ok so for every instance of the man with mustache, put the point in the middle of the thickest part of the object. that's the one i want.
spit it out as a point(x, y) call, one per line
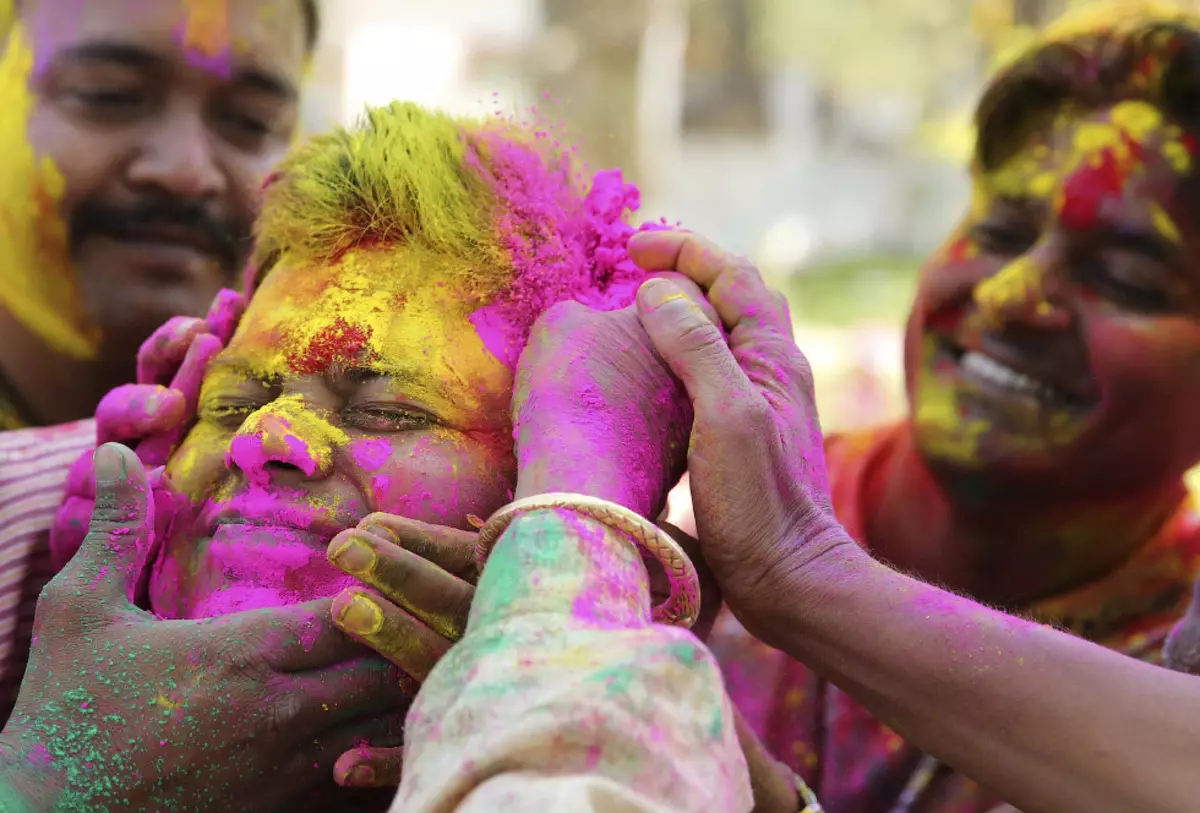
point(138, 136)
point(135, 138)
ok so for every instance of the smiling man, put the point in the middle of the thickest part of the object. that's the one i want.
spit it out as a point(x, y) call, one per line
point(1053, 370)
point(135, 137)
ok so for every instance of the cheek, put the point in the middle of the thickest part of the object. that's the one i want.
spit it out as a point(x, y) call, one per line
point(947, 282)
point(1153, 355)
point(86, 158)
point(246, 174)
point(198, 465)
point(436, 478)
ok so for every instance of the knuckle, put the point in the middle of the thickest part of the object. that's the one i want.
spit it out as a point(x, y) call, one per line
point(743, 269)
point(700, 335)
point(752, 417)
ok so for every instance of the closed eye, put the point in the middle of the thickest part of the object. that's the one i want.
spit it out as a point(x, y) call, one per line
point(387, 418)
point(228, 412)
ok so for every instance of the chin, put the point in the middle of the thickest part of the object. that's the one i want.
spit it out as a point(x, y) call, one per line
point(996, 463)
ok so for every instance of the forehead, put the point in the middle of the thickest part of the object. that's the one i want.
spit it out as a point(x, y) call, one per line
point(395, 312)
point(1133, 140)
point(269, 34)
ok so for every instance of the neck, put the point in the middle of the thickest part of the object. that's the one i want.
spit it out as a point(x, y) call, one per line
point(1008, 550)
point(53, 388)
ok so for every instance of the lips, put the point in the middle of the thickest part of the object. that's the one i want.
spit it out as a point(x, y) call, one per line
point(257, 511)
point(994, 366)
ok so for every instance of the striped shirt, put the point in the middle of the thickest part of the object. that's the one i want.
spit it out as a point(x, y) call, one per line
point(34, 464)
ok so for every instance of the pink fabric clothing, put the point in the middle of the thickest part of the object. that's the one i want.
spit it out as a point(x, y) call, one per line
point(34, 464)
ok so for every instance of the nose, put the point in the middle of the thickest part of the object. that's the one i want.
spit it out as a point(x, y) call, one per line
point(178, 156)
point(285, 439)
point(1023, 292)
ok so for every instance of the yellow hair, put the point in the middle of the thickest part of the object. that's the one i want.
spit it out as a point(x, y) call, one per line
point(498, 207)
point(404, 176)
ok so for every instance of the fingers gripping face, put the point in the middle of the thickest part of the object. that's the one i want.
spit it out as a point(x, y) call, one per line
point(421, 578)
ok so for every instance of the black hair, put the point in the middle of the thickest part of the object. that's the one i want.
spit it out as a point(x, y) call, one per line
point(1157, 62)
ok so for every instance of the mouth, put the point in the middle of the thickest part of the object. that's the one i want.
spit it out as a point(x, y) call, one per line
point(998, 371)
point(257, 513)
point(174, 252)
point(172, 235)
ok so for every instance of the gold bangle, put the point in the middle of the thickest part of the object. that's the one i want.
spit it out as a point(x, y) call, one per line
point(683, 604)
point(808, 799)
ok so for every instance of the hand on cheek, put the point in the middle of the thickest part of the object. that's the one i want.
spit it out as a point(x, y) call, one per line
point(413, 606)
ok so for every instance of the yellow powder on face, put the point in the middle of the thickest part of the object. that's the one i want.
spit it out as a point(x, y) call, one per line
point(37, 280)
point(1164, 225)
point(938, 418)
point(947, 434)
point(206, 27)
point(397, 311)
point(290, 418)
point(1018, 283)
point(1131, 132)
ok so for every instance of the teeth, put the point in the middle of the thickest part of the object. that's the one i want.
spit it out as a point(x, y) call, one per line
point(996, 373)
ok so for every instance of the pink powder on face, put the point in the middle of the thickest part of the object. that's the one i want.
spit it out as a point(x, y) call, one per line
point(249, 454)
point(371, 453)
point(268, 567)
point(563, 247)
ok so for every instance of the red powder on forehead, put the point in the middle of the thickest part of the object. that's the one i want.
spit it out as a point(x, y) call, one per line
point(341, 340)
point(1084, 193)
point(563, 245)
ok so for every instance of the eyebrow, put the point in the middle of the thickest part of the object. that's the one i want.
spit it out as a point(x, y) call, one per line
point(136, 56)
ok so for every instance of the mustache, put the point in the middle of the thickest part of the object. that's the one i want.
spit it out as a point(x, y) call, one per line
point(228, 238)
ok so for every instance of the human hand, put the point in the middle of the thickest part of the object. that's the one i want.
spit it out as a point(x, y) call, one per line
point(756, 462)
point(153, 415)
point(120, 710)
point(596, 411)
point(419, 581)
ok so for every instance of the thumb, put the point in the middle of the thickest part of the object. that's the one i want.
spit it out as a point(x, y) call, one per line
point(121, 530)
point(691, 345)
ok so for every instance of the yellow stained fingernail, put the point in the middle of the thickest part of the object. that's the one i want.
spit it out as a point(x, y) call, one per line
point(657, 292)
point(354, 556)
point(361, 616)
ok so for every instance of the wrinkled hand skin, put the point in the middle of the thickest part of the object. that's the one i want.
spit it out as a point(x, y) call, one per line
point(122, 711)
point(597, 412)
point(418, 582)
point(154, 414)
point(756, 461)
